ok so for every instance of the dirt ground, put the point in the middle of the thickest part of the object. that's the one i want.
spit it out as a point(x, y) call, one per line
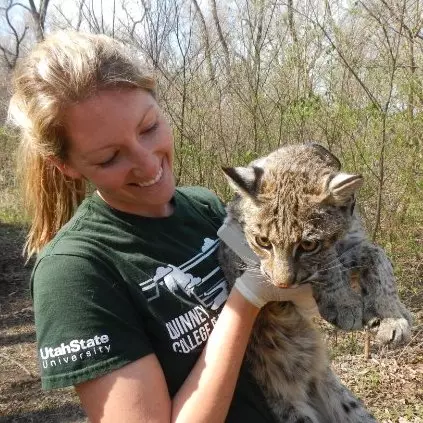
point(21, 397)
point(390, 382)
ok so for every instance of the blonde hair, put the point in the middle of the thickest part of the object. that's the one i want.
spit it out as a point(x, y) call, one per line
point(66, 68)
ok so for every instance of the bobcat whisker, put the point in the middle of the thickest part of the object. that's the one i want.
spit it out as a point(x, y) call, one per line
point(354, 246)
point(338, 257)
point(345, 266)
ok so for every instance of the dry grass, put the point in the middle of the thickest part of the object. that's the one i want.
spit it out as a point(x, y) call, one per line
point(10, 204)
point(21, 397)
point(390, 383)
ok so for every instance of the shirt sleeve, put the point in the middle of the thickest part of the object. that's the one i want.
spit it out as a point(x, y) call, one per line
point(207, 203)
point(217, 206)
point(85, 320)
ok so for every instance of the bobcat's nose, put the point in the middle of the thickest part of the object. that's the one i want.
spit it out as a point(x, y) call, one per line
point(275, 280)
point(284, 279)
point(286, 283)
point(283, 272)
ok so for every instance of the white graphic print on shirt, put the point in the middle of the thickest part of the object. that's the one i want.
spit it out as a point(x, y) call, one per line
point(212, 295)
point(191, 329)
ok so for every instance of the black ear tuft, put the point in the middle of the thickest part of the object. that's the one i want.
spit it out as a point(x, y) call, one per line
point(327, 155)
point(245, 180)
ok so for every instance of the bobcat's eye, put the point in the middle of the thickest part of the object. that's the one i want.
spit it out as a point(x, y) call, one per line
point(263, 242)
point(308, 246)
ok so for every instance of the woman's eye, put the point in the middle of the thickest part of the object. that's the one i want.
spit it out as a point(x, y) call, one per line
point(263, 242)
point(109, 162)
point(309, 246)
point(151, 128)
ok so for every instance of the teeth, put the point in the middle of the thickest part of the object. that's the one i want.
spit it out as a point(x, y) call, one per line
point(153, 181)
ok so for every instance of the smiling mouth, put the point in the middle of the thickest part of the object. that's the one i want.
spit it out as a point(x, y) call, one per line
point(152, 181)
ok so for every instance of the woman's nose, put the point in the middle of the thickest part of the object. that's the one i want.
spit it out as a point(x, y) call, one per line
point(140, 154)
point(144, 162)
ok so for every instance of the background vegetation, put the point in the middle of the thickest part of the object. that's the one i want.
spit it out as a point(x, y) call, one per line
point(239, 78)
point(242, 77)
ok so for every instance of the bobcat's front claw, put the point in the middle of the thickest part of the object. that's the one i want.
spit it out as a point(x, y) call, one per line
point(391, 326)
point(391, 331)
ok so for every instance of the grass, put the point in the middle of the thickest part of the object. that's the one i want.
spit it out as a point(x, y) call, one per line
point(21, 397)
point(390, 381)
point(11, 208)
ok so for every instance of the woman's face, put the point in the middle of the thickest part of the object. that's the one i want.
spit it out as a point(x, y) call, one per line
point(120, 141)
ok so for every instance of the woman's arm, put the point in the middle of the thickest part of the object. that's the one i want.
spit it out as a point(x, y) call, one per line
point(138, 392)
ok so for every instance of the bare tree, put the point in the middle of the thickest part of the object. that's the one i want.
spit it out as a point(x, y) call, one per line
point(38, 17)
point(222, 38)
point(12, 47)
point(206, 39)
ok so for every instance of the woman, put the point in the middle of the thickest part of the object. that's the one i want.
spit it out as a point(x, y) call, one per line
point(127, 289)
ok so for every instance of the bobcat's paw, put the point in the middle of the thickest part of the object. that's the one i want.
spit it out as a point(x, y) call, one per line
point(345, 316)
point(392, 331)
point(349, 318)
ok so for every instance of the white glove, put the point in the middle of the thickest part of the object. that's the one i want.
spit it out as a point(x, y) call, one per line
point(255, 289)
point(252, 284)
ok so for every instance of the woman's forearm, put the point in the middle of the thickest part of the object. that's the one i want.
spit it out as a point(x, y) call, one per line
point(207, 392)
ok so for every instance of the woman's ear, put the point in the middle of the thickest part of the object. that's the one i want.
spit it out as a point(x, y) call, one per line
point(64, 168)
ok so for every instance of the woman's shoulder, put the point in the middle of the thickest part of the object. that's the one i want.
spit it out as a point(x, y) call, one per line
point(204, 197)
point(90, 235)
point(198, 193)
point(75, 260)
point(73, 234)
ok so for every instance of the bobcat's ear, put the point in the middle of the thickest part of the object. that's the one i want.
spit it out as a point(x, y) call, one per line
point(327, 155)
point(342, 187)
point(244, 180)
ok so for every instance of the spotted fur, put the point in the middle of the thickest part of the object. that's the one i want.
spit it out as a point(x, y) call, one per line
point(297, 212)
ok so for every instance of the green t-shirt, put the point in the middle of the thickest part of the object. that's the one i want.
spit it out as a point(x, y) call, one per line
point(112, 287)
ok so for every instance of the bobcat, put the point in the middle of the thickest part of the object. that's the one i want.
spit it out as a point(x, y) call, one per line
point(296, 209)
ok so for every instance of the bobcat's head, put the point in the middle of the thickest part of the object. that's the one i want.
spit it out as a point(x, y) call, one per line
point(293, 204)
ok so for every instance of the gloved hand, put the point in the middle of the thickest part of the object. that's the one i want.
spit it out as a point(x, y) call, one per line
point(253, 285)
point(254, 288)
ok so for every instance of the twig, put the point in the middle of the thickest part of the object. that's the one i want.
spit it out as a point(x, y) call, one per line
point(28, 372)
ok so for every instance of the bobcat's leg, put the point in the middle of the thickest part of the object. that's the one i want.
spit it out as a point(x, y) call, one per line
point(335, 403)
point(299, 412)
point(338, 303)
point(383, 310)
point(285, 352)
